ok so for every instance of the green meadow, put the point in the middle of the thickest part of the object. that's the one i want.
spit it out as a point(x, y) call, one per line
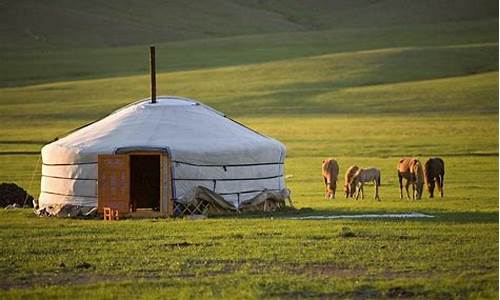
point(366, 82)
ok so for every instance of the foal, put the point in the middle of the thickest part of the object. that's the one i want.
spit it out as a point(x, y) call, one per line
point(366, 175)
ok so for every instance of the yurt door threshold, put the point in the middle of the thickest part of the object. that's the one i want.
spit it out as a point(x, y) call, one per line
point(134, 183)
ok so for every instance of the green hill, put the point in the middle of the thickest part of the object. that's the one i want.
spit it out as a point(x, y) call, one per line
point(44, 41)
point(41, 24)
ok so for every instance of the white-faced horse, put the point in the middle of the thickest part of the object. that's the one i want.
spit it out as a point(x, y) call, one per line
point(363, 176)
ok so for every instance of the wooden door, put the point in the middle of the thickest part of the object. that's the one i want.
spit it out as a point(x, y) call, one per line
point(113, 182)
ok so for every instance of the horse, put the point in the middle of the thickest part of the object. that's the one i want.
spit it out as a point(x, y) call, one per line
point(434, 173)
point(365, 175)
point(330, 170)
point(347, 181)
point(411, 169)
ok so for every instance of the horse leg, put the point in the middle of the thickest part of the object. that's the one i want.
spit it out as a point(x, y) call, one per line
point(333, 186)
point(400, 186)
point(413, 191)
point(406, 187)
point(438, 183)
point(358, 189)
point(431, 187)
point(441, 185)
point(326, 187)
point(362, 191)
point(376, 190)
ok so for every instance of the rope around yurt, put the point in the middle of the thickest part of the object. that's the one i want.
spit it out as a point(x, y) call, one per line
point(35, 170)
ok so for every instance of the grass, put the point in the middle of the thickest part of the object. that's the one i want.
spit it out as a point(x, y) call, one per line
point(251, 258)
point(345, 81)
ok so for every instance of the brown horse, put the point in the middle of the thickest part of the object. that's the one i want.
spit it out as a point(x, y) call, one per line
point(347, 181)
point(330, 170)
point(434, 174)
point(411, 169)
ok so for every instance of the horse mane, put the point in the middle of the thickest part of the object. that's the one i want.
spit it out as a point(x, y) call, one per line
point(357, 174)
point(417, 165)
point(418, 169)
point(351, 168)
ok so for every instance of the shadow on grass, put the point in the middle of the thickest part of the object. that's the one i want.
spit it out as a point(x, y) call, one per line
point(439, 216)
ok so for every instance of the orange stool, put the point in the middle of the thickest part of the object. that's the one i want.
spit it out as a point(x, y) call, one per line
point(111, 214)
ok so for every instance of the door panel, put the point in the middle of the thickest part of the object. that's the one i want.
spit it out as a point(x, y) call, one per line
point(114, 182)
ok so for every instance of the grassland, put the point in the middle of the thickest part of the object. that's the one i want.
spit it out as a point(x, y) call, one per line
point(351, 82)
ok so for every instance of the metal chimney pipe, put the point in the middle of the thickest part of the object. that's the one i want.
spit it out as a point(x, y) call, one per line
point(152, 68)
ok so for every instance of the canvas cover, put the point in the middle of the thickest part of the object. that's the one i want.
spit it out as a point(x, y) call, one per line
point(200, 200)
point(206, 148)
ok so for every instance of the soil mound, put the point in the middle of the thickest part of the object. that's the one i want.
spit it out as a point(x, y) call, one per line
point(11, 193)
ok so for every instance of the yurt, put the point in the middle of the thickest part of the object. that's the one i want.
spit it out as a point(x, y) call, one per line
point(150, 154)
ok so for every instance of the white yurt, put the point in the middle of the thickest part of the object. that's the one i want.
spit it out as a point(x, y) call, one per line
point(148, 155)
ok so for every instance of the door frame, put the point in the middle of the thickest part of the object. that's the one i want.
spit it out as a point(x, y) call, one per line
point(166, 197)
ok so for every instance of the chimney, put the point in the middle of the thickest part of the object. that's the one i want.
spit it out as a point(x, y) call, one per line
point(152, 69)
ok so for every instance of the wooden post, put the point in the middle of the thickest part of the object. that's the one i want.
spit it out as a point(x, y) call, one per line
point(170, 201)
point(152, 68)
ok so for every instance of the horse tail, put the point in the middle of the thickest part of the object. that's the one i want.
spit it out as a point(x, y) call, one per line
point(442, 165)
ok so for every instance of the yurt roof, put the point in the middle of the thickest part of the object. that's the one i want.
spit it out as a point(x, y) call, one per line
point(190, 131)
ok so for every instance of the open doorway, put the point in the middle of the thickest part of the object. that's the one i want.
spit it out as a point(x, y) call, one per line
point(145, 182)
